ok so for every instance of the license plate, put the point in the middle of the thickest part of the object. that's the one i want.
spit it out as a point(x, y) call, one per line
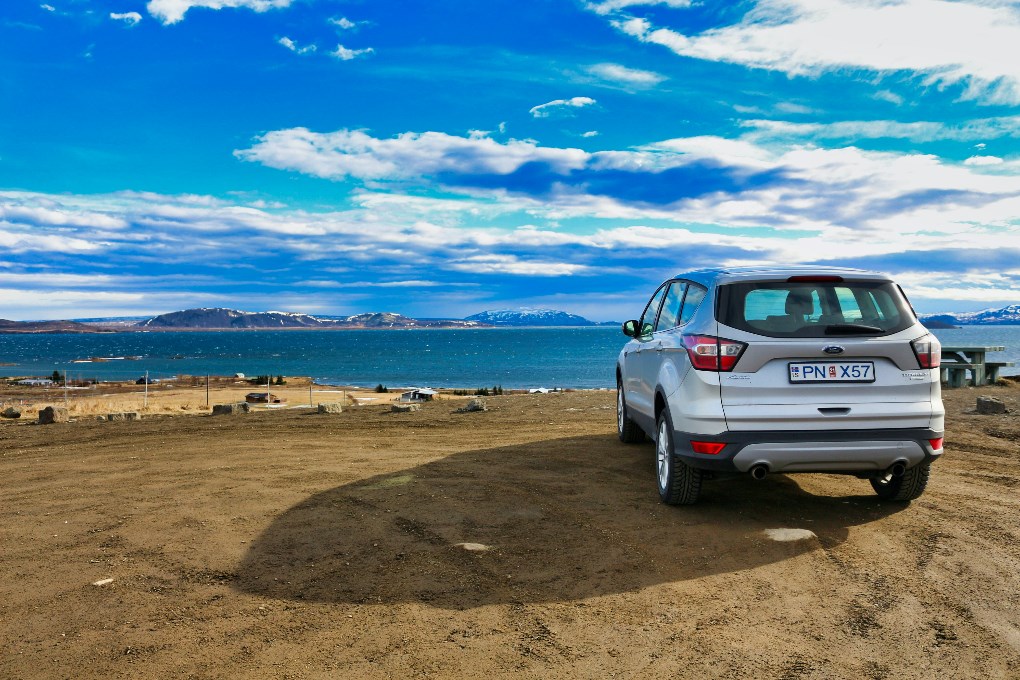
point(832, 371)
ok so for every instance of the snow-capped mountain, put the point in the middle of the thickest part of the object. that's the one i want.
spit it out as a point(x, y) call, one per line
point(220, 318)
point(1004, 316)
point(529, 317)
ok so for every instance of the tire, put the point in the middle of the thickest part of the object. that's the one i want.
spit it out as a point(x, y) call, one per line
point(626, 429)
point(904, 488)
point(679, 483)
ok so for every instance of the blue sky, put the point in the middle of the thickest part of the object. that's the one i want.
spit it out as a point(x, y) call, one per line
point(442, 158)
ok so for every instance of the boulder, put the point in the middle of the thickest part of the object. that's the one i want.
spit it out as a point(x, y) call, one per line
point(990, 405)
point(53, 414)
point(230, 409)
point(332, 407)
point(473, 406)
point(405, 408)
point(11, 412)
point(128, 415)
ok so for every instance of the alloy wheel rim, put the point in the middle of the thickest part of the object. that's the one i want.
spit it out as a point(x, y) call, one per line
point(662, 455)
point(619, 408)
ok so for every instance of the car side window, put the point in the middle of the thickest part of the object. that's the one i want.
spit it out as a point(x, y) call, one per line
point(695, 295)
point(647, 323)
point(671, 306)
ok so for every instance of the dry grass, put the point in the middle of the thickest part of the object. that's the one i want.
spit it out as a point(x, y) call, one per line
point(181, 399)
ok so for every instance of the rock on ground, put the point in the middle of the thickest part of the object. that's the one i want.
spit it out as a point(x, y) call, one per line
point(230, 409)
point(473, 405)
point(332, 407)
point(11, 412)
point(405, 408)
point(990, 405)
point(127, 415)
point(53, 414)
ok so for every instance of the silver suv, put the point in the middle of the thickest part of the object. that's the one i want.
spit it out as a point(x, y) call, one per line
point(782, 369)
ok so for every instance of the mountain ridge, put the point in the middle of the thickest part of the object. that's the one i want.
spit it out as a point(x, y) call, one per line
point(221, 318)
point(1001, 316)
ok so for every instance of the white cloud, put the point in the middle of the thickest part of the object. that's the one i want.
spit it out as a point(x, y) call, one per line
point(590, 133)
point(983, 160)
point(626, 76)
point(344, 54)
point(47, 212)
point(544, 110)
point(48, 8)
point(888, 96)
point(346, 24)
point(866, 203)
point(352, 153)
point(130, 18)
point(948, 43)
point(609, 6)
point(294, 47)
point(918, 131)
point(971, 287)
point(509, 264)
point(794, 108)
point(172, 11)
point(18, 241)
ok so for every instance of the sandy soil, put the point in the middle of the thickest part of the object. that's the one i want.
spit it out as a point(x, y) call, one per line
point(288, 544)
point(184, 396)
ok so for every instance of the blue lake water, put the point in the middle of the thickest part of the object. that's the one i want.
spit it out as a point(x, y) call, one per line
point(511, 357)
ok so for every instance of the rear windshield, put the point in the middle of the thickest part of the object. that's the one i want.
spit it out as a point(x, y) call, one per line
point(781, 309)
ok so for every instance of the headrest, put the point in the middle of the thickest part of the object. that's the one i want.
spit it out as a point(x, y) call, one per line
point(799, 302)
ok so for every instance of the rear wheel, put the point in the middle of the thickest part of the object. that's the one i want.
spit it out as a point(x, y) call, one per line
point(679, 483)
point(626, 429)
point(906, 487)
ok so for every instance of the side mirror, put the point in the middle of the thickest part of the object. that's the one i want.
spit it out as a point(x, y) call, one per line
point(630, 328)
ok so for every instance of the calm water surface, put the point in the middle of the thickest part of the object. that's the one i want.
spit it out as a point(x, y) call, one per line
point(511, 357)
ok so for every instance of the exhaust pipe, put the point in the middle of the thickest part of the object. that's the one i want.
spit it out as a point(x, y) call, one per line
point(897, 469)
point(760, 471)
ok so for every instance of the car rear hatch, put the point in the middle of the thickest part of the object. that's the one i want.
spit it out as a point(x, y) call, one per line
point(823, 353)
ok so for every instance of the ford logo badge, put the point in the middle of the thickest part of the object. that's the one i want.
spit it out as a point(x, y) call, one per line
point(833, 349)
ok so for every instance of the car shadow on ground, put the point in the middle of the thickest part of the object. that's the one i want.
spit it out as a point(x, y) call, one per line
point(554, 520)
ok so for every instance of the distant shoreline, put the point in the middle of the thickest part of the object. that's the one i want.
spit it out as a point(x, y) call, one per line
point(192, 329)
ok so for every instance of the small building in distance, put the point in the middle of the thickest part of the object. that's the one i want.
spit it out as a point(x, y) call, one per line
point(418, 394)
point(263, 398)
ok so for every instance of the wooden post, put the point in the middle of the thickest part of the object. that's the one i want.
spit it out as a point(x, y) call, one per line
point(207, 390)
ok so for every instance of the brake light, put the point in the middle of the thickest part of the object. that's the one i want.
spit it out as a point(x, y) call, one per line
point(711, 448)
point(709, 353)
point(928, 351)
point(815, 279)
point(936, 443)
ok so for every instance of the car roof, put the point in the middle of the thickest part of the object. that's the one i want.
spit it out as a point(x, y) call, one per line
point(718, 275)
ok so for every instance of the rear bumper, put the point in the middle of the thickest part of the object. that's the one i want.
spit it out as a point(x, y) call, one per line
point(850, 451)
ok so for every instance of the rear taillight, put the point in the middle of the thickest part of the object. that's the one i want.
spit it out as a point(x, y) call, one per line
point(936, 443)
point(709, 353)
point(928, 351)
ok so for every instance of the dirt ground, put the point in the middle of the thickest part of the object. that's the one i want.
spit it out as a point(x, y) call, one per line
point(521, 541)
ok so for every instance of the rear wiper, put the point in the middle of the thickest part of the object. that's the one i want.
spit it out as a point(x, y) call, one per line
point(838, 328)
